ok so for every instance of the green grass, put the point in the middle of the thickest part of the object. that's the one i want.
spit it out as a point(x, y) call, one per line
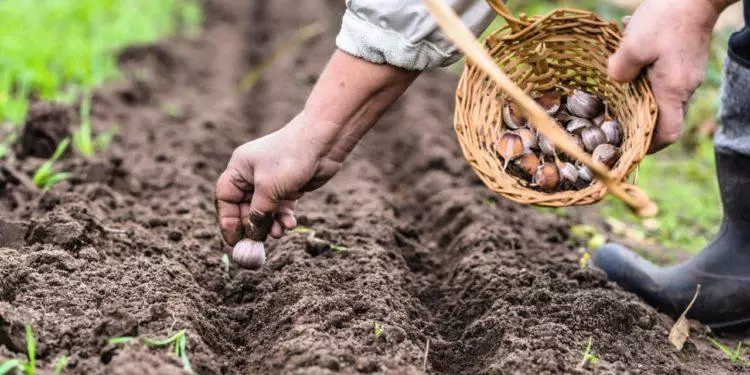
point(54, 49)
point(734, 356)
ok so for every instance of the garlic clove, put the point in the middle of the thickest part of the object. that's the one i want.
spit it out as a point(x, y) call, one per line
point(547, 176)
point(563, 116)
point(607, 154)
point(528, 162)
point(546, 146)
point(510, 146)
point(550, 101)
point(592, 137)
point(568, 172)
point(598, 120)
point(585, 174)
point(249, 254)
point(513, 117)
point(577, 124)
point(579, 142)
point(528, 137)
point(583, 104)
point(612, 131)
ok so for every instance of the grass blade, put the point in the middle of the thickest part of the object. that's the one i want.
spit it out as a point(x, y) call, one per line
point(9, 365)
point(120, 340)
point(60, 365)
point(183, 353)
point(300, 36)
point(30, 351)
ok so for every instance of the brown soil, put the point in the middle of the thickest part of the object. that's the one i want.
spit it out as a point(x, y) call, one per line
point(129, 246)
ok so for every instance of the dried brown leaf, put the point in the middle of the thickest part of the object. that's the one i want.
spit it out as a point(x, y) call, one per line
point(681, 329)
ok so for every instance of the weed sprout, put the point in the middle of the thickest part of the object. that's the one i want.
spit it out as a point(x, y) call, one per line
point(45, 176)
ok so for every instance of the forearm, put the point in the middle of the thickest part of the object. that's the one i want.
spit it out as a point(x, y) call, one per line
point(348, 99)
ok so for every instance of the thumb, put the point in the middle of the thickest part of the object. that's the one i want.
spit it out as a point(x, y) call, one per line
point(626, 63)
point(258, 219)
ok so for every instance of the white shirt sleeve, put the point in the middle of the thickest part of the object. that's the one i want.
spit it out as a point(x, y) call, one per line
point(403, 33)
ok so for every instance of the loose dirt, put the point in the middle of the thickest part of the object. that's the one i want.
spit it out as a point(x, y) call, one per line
point(129, 245)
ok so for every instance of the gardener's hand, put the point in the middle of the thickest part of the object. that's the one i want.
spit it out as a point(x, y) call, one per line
point(257, 192)
point(670, 38)
point(266, 176)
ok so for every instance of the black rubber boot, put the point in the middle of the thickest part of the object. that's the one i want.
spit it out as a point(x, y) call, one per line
point(722, 268)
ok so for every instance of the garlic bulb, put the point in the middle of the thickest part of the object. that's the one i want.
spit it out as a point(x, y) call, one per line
point(583, 104)
point(568, 172)
point(513, 117)
point(579, 142)
point(528, 137)
point(550, 102)
point(563, 116)
point(592, 137)
point(612, 131)
point(585, 174)
point(607, 154)
point(547, 176)
point(528, 162)
point(598, 120)
point(547, 147)
point(577, 124)
point(249, 254)
point(510, 146)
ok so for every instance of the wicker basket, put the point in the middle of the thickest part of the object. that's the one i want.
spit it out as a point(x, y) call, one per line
point(566, 48)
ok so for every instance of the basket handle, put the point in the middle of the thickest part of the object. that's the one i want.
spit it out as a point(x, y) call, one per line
point(499, 7)
point(462, 37)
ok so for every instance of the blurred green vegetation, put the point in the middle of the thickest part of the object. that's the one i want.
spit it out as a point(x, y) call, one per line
point(681, 179)
point(54, 49)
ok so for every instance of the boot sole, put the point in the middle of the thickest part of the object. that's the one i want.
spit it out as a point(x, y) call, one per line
point(731, 326)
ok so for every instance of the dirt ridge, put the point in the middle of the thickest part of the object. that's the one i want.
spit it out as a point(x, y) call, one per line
point(129, 246)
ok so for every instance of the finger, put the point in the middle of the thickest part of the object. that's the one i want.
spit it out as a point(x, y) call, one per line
point(628, 61)
point(228, 195)
point(257, 217)
point(669, 124)
point(285, 214)
point(276, 230)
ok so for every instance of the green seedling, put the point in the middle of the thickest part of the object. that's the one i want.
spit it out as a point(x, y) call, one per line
point(178, 342)
point(28, 367)
point(311, 237)
point(735, 356)
point(45, 176)
point(60, 365)
point(120, 340)
point(6, 143)
point(377, 331)
point(83, 139)
point(588, 356)
point(225, 262)
point(173, 111)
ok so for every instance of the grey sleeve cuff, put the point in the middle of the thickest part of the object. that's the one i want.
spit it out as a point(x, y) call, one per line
point(403, 33)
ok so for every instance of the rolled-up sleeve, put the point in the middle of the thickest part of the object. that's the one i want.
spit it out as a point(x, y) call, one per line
point(403, 33)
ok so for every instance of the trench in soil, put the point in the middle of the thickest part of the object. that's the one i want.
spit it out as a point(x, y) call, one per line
point(130, 246)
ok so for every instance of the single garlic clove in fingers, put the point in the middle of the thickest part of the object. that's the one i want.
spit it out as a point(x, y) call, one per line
point(249, 254)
